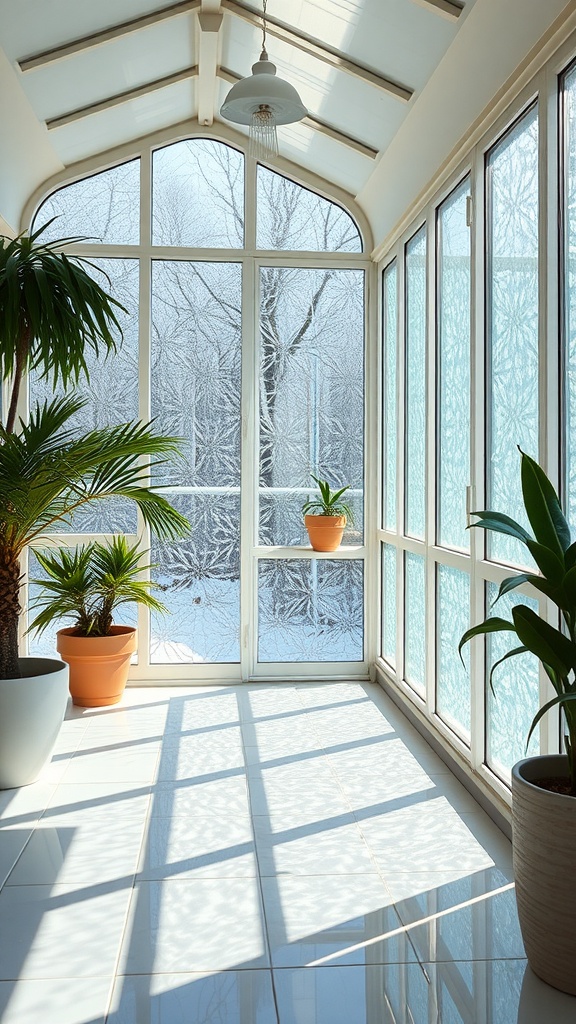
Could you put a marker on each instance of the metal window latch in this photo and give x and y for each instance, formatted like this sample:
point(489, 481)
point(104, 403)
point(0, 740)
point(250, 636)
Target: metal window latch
point(469, 211)
point(470, 502)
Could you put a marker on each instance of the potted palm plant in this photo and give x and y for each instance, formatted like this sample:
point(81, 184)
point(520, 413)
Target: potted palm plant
point(326, 516)
point(88, 584)
point(51, 313)
point(544, 787)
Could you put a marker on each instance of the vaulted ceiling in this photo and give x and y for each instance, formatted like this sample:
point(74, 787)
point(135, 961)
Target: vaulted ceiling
point(99, 74)
point(89, 77)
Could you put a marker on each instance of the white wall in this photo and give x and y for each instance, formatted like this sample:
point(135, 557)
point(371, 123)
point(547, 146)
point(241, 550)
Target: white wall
point(26, 156)
point(495, 38)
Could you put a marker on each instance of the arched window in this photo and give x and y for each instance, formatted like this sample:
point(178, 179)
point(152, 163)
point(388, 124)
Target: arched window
point(257, 363)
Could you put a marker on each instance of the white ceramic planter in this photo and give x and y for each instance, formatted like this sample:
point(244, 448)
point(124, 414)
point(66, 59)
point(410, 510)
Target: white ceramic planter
point(544, 845)
point(31, 713)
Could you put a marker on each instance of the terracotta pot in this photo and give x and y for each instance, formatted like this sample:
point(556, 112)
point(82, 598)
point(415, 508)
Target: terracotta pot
point(325, 532)
point(544, 841)
point(99, 665)
point(31, 713)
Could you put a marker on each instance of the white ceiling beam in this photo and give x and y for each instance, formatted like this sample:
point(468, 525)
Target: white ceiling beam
point(121, 97)
point(315, 48)
point(315, 123)
point(445, 8)
point(209, 24)
point(90, 42)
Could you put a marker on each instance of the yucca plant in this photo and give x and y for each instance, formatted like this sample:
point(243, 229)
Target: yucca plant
point(51, 313)
point(88, 583)
point(329, 503)
point(554, 553)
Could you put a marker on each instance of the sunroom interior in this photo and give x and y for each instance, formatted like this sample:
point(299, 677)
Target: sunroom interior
point(306, 790)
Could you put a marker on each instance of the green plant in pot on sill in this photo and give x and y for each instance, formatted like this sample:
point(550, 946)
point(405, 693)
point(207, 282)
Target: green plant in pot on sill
point(543, 812)
point(326, 516)
point(52, 313)
point(88, 584)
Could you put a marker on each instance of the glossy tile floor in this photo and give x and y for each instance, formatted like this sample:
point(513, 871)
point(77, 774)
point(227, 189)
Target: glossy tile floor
point(267, 854)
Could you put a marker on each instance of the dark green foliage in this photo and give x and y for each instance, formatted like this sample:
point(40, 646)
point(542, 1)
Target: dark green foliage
point(329, 503)
point(89, 582)
point(555, 555)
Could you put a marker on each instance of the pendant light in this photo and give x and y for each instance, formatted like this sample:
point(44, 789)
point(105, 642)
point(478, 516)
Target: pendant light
point(263, 101)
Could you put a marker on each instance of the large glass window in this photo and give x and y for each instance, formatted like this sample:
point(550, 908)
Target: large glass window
point(311, 394)
point(415, 620)
point(198, 195)
point(513, 698)
point(416, 385)
point(310, 610)
point(196, 394)
point(390, 394)
point(569, 240)
point(453, 696)
point(293, 217)
point(199, 357)
point(512, 321)
point(453, 320)
point(102, 208)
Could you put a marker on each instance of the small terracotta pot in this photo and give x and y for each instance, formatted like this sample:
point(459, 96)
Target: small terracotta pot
point(99, 665)
point(325, 532)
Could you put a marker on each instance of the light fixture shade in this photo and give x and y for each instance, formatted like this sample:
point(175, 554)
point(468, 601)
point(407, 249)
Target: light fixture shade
point(263, 89)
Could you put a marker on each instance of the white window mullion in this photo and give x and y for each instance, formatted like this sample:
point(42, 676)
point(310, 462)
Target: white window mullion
point(372, 461)
point(249, 472)
point(476, 494)
point(430, 468)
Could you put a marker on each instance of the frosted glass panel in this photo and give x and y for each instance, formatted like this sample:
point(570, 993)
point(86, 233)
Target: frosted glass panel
point(111, 394)
point(196, 394)
point(310, 610)
point(515, 701)
point(293, 217)
point(198, 195)
point(453, 619)
point(390, 396)
point(453, 369)
point(196, 377)
point(416, 385)
point(570, 290)
point(103, 208)
point(389, 603)
point(512, 315)
point(414, 621)
point(200, 577)
point(311, 394)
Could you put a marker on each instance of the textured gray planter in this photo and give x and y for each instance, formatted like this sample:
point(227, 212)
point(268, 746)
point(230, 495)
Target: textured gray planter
point(31, 713)
point(544, 848)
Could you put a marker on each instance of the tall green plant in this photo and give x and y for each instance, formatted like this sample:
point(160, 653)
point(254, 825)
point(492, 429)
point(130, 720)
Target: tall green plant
point(554, 553)
point(51, 312)
point(47, 473)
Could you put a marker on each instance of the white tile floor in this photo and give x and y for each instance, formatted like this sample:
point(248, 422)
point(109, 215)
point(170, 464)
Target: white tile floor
point(270, 854)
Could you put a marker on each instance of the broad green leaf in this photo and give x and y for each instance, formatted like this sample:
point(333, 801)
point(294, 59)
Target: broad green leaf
point(543, 507)
point(543, 640)
point(550, 564)
point(563, 698)
point(499, 523)
point(510, 654)
point(570, 556)
point(491, 625)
